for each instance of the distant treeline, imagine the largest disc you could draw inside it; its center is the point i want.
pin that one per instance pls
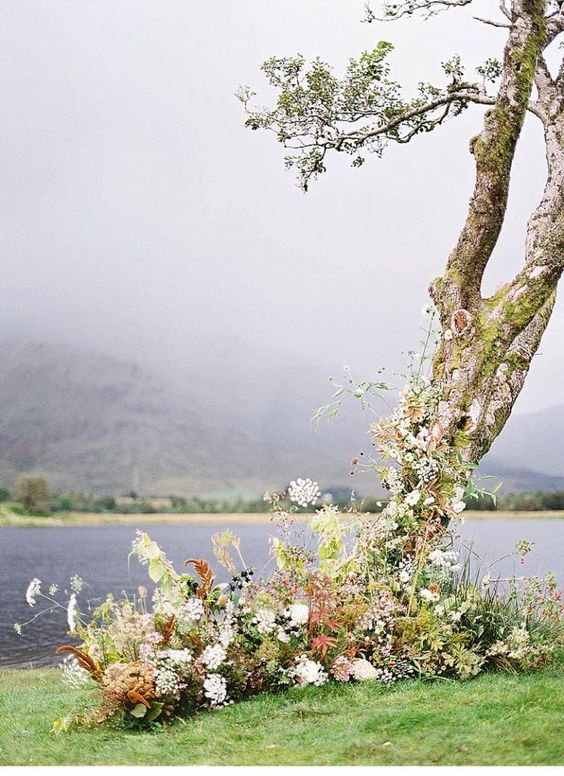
(33, 496)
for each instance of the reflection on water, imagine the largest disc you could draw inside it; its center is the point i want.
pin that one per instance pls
(100, 556)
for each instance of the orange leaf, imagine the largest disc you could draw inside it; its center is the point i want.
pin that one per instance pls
(205, 573)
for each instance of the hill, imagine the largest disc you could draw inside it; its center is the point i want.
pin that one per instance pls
(229, 420)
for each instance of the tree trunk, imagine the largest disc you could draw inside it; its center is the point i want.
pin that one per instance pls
(489, 343)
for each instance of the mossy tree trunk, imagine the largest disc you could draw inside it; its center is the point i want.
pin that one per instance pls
(482, 363)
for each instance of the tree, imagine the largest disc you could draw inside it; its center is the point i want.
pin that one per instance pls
(32, 491)
(487, 343)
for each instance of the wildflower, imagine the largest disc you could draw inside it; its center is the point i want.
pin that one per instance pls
(428, 595)
(18, 628)
(427, 309)
(427, 469)
(445, 560)
(304, 492)
(76, 584)
(447, 335)
(265, 620)
(283, 636)
(179, 657)
(190, 613)
(341, 669)
(362, 670)
(213, 656)
(308, 671)
(167, 681)
(215, 689)
(72, 613)
(412, 499)
(53, 589)
(73, 674)
(33, 590)
(404, 576)
(299, 614)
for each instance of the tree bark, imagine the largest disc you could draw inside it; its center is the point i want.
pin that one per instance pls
(489, 343)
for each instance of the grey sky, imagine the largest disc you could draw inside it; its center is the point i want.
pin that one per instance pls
(136, 211)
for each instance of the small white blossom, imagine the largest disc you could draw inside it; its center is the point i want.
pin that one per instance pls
(428, 595)
(72, 613)
(298, 614)
(308, 671)
(427, 309)
(73, 674)
(447, 335)
(76, 584)
(283, 636)
(190, 613)
(303, 492)
(412, 499)
(404, 576)
(362, 670)
(215, 689)
(213, 656)
(33, 590)
(265, 620)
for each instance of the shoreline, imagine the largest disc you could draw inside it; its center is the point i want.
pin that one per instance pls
(105, 519)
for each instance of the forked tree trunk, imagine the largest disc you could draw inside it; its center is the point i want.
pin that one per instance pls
(482, 362)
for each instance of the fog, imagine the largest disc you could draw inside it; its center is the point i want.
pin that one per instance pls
(140, 217)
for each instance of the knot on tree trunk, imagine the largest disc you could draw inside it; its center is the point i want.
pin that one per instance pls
(461, 323)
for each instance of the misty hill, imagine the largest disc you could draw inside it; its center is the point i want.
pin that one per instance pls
(94, 423)
(231, 419)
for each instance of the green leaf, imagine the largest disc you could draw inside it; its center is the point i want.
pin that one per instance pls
(138, 711)
(156, 570)
(154, 711)
(61, 725)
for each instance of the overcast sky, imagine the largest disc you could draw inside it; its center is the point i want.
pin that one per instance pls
(138, 214)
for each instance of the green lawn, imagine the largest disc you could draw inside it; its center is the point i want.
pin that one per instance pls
(496, 719)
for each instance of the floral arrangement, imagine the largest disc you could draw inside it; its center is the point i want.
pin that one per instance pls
(379, 598)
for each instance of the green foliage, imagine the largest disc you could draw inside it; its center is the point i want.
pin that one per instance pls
(360, 113)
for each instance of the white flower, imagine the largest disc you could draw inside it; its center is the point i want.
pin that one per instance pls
(213, 656)
(190, 613)
(404, 576)
(299, 614)
(215, 689)
(72, 613)
(447, 335)
(458, 507)
(73, 674)
(167, 681)
(265, 620)
(362, 670)
(33, 590)
(427, 309)
(308, 671)
(76, 583)
(303, 492)
(179, 657)
(428, 595)
(283, 636)
(412, 499)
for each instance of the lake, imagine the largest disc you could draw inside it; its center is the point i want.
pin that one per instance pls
(99, 554)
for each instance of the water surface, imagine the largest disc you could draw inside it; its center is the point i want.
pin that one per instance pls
(100, 556)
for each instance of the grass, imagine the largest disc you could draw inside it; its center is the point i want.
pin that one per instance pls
(8, 518)
(495, 719)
